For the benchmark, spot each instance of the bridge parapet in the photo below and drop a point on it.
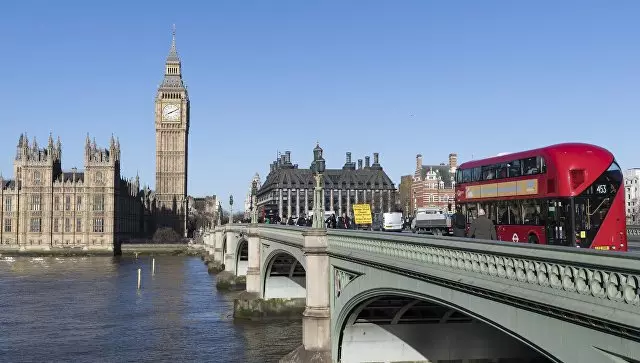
(288, 235)
(633, 232)
(596, 288)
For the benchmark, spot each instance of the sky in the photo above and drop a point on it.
(395, 77)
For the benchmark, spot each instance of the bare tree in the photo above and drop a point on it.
(166, 235)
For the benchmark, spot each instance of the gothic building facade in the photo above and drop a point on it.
(44, 206)
(288, 190)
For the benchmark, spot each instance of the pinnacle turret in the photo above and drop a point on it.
(172, 69)
(173, 51)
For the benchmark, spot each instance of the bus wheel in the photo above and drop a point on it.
(533, 239)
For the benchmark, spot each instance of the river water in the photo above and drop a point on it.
(88, 309)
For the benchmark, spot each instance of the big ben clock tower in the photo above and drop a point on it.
(172, 145)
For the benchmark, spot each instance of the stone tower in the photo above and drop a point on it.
(172, 145)
(35, 169)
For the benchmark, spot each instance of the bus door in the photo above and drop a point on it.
(558, 222)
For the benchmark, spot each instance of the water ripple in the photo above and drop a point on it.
(89, 310)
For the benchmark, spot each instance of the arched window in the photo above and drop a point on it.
(37, 177)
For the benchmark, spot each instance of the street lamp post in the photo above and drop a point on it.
(254, 207)
(230, 209)
(219, 214)
(439, 205)
(318, 200)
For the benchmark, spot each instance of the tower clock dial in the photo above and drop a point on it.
(171, 112)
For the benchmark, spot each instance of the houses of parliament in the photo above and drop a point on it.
(45, 206)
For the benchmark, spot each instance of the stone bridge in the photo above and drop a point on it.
(400, 297)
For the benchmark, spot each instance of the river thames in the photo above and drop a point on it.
(88, 309)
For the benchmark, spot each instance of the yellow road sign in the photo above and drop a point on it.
(362, 213)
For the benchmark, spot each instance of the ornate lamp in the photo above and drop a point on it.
(318, 200)
(219, 213)
(254, 207)
(231, 209)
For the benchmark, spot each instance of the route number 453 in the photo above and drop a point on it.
(601, 189)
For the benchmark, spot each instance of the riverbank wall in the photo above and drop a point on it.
(141, 249)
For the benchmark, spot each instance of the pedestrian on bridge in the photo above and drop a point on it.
(482, 227)
(459, 223)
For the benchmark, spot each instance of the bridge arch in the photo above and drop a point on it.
(224, 243)
(284, 276)
(242, 257)
(399, 325)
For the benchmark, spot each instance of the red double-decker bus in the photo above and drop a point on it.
(566, 194)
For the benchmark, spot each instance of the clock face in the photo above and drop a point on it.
(171, 113)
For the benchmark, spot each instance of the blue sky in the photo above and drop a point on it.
(394, 77)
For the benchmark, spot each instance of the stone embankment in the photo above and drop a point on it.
(157, 249)
(140, 249)
(249, 307)
(54, 252)
(214, 267)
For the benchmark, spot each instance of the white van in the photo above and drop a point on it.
(392, 222)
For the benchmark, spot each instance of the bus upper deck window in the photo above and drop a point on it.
(477, 174)
(466, 175)
(515, 168)
(530, 166)
(488, 172)
(542, 165)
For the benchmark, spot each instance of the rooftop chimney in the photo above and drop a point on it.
(367, 164)
(359, 163)
(287, 158)
(348, 164)
(419, 162)
(376, 162)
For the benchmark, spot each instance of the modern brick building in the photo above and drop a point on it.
(434, 185)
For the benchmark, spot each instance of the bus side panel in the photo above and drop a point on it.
(521, 233)
(613, 231)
